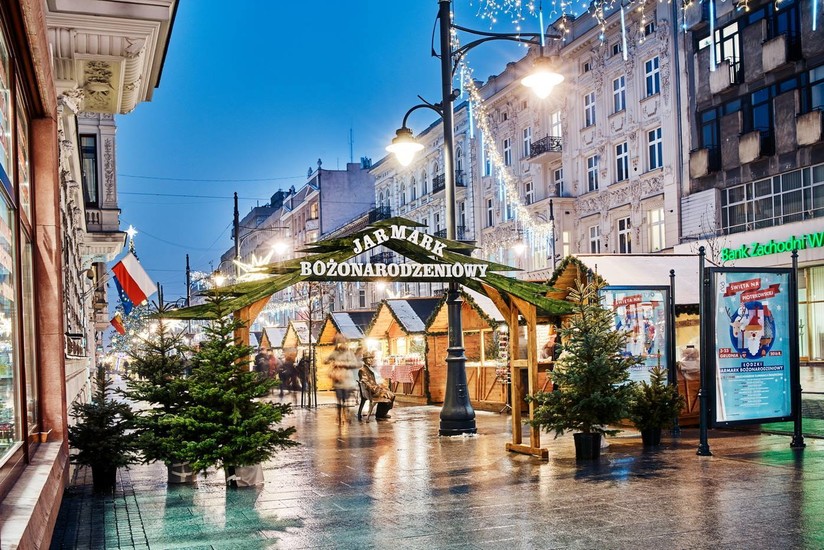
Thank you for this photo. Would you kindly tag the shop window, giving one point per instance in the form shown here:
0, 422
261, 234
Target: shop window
29, 343
11, 428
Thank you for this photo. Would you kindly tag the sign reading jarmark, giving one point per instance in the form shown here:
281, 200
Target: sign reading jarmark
332, 269
754, 250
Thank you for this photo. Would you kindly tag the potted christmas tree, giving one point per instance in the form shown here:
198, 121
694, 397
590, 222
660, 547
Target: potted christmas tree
592, 376
103, 436
157, 378
226, 424
654, 406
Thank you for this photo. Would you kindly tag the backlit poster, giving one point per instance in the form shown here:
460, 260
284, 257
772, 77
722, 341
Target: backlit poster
642, 313
753, 335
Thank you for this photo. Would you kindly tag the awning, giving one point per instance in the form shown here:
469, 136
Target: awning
648, 270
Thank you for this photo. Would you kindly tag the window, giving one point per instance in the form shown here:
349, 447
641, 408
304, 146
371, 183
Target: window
616, 48
649, 28
558, 179
527, 138
589, 109
587, 66
789, 197
652, 76
508, 151
361, 296
403, 194
437, 220
490, 213
621, 162
459, 160
314, 211
509, 211
487, 164
592, 173
529, 192
555, 124
380, 199
462, 215
566, 247
656, 149
619, 94
657, 236
624, 236
813, 96
413, 189
424, 183
504, 116
594, 239
88, 161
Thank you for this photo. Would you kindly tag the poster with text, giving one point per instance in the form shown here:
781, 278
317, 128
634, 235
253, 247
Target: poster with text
642, 313
752, 346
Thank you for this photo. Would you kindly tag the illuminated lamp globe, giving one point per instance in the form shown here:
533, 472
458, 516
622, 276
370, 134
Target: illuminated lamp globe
280, 248
519, 248
404, 146
542, 79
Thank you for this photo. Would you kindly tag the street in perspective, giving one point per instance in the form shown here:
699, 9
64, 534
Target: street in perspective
444, 274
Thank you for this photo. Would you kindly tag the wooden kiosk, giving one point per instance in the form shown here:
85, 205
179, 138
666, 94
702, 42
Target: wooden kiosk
272, 338
351, 325
481, 320
399, 326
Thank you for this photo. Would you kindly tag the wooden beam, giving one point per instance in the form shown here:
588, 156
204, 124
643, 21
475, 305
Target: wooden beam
515, 376
530, 314
497, 299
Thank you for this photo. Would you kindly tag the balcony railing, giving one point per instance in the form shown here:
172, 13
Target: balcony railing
382, 258
460, 233
379, 213
439, 181
547, 144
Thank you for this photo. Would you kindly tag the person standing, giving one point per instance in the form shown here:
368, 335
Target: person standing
343, 374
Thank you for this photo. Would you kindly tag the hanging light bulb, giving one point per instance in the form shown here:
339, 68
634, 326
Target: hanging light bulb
404, 146
542, 79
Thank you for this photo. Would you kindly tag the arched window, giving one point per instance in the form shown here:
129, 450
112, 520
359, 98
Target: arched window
459, 159
424, 183
403, 194
380, 199
413, 189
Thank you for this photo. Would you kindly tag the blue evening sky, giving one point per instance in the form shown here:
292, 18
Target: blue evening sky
254, 92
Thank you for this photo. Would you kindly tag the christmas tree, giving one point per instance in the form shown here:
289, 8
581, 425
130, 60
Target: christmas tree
103, 436
136, 323
592, 373
226, 424
156, 377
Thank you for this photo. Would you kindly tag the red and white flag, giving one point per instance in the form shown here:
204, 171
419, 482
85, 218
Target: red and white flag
136, 283
117, 323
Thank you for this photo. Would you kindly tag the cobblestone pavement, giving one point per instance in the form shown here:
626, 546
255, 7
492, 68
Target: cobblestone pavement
397, 484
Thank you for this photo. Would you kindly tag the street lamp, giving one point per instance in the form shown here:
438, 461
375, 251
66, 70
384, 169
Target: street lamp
457, 414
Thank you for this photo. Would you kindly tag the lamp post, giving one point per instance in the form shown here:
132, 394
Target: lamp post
457, 414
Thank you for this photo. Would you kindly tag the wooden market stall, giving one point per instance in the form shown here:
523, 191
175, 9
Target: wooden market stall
351, 325
649, 270
486, 372
297, 340
399, 326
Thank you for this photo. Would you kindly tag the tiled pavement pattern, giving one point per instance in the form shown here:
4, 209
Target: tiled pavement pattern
396, 485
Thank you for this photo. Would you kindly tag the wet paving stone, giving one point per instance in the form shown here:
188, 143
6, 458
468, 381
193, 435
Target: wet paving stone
397, 485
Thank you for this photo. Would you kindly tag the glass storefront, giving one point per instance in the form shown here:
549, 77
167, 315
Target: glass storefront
811, 313
10, 421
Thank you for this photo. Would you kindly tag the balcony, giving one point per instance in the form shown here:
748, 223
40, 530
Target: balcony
808, 128
382, 258
704, 161
439, 181
460, 233
696, 14
312, 224
547, 148
727, 74
754, 145
379, 213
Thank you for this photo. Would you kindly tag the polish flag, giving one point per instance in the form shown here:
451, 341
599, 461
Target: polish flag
133, 278
117, 323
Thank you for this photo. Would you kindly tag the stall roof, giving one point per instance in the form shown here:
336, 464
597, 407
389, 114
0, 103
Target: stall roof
254, 339
481, 303
637, 270
274, 336
351, 324
297, 334
410, 313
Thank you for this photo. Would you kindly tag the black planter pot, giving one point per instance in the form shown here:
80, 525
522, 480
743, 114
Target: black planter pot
651, 437
587, 446
382, 410
104, 478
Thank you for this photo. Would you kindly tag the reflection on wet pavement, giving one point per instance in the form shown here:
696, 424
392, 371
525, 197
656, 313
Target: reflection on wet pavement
396, 484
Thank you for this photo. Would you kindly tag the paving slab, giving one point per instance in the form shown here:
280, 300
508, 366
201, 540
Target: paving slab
396, 484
